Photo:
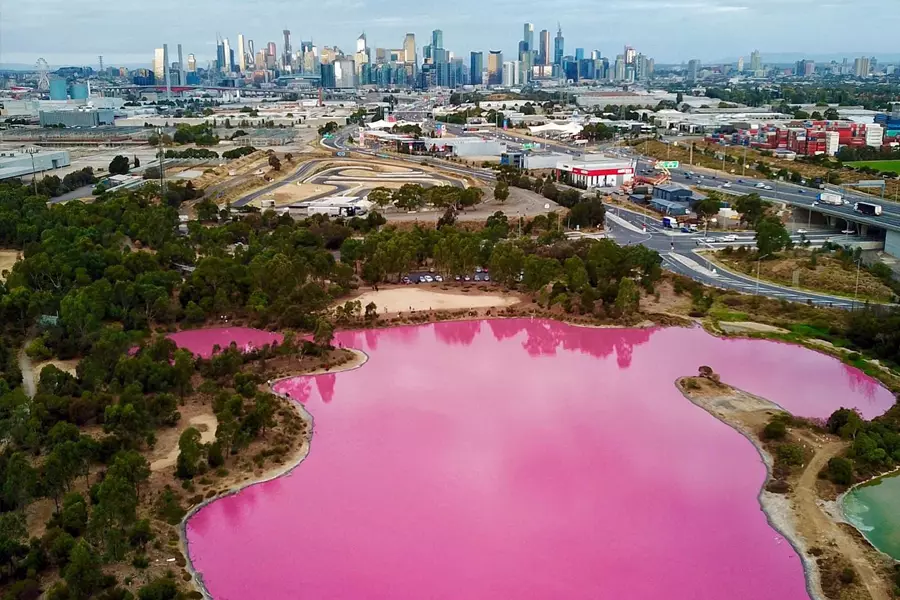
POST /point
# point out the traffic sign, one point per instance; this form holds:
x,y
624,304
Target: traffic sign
x,y
667,164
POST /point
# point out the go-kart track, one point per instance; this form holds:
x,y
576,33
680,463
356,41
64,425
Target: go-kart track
x,y
320,178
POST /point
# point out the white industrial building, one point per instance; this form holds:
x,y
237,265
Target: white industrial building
x,y
596,172
467,146
33,160
337,206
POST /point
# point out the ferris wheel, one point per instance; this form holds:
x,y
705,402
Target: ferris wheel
x,y
43,70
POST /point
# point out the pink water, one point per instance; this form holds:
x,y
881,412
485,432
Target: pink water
x,y
523,459
202,341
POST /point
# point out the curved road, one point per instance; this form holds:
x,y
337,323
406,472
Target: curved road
x,y
679,251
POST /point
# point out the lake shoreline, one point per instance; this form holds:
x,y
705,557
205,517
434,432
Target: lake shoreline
x,y
775,507
791,514
294,461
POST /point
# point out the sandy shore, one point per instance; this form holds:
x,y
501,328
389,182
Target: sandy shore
x,y
413,298
292,462
801,516
777,507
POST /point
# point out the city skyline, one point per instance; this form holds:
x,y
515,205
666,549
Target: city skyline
x,y
666,29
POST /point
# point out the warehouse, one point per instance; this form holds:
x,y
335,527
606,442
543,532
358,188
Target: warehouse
x,y
596,173
466,146
77,118
673,193
19,164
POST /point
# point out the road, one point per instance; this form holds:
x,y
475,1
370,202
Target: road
x,y
678,252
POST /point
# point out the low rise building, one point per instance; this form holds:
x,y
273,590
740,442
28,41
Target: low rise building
x,y
672,193
595,172
77,118
20,164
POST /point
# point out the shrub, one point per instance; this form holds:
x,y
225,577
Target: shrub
x,y
774,430
789,454
847,576
840,471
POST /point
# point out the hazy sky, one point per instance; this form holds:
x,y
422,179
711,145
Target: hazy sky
x,y
76,31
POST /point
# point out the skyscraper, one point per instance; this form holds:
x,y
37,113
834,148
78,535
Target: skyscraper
x,y
495,67
241,57
544,56
740,64
692,70
861,66
409,49
220,54
528,36
227,65
437,39
192,63
476,67
755,61
159,62
579,53
361,43
270,49
558,46
250,51
629,55
180,64
166,73
286,56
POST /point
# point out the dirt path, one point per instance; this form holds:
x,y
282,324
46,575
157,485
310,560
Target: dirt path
x,y
205,423
29,381
809,511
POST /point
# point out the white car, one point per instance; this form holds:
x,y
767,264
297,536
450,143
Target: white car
x,y
768,187
726,185
728,238
428,278
848,232
760,185
801,231
438,278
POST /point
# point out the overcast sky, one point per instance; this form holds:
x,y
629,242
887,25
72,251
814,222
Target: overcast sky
x,y
75,32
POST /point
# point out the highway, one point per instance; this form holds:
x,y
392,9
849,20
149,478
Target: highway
x,y
678,251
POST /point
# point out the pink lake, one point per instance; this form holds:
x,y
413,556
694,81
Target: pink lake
x,y
202,341
514,459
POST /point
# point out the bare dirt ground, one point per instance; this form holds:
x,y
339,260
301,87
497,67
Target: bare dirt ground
x,y
7,259
167,443
298,192
749,326
521,203
827,275
800,513
410,299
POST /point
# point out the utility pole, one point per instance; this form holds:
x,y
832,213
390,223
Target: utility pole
x,y
744,169
162,169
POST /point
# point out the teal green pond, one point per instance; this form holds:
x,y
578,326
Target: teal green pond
x,y
875,510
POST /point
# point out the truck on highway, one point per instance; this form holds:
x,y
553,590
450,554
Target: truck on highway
x,y
867,208
831,198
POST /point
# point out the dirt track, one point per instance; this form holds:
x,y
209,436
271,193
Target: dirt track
x,y
821,530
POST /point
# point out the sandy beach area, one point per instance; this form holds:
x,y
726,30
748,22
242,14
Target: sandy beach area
x,y
411,299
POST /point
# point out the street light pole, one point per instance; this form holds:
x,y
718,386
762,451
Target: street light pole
x,y
33,171
758,261
856,290
744,168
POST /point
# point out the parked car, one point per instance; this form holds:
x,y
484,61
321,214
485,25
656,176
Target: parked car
x,y
438,278
478,269
487,277
458,278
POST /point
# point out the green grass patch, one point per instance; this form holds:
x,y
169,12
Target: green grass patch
x,y
721,314
880,165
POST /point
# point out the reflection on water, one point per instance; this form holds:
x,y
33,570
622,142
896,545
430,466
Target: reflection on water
x,y
519,459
